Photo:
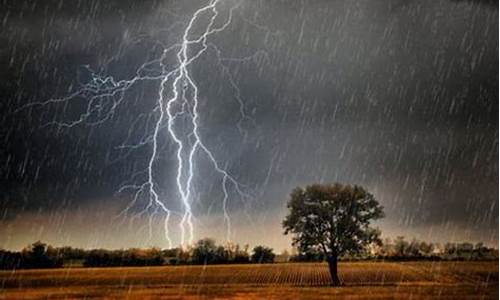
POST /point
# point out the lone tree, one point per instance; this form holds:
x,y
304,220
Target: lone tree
x,y
334,219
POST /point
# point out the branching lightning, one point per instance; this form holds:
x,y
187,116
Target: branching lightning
x,y
177,99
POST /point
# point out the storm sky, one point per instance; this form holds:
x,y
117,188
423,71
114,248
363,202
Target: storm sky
x,y
398,96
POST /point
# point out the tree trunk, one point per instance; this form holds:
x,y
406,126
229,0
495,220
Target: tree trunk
x,y
332,265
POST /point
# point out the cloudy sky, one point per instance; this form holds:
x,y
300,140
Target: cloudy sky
x,y
398,96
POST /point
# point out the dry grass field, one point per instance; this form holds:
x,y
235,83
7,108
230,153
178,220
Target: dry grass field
x,y
361,280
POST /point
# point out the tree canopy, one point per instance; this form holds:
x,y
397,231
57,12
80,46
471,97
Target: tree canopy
x,y
262,255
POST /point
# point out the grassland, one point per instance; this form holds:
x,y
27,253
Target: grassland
x,y
361,280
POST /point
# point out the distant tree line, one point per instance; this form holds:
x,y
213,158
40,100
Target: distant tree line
x,y
207,251
402,249
35,256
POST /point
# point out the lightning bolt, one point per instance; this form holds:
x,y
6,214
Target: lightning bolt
x,y
177,99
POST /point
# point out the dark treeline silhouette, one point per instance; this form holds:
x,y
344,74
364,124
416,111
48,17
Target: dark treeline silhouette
x,y
402,249
207,251
35,256
129,257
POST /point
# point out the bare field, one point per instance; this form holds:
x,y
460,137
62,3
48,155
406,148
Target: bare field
x,y
361,280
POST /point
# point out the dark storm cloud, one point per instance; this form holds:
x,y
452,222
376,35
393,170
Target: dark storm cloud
x,y
400,96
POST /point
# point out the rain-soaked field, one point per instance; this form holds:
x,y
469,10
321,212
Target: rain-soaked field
x,y
371,280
